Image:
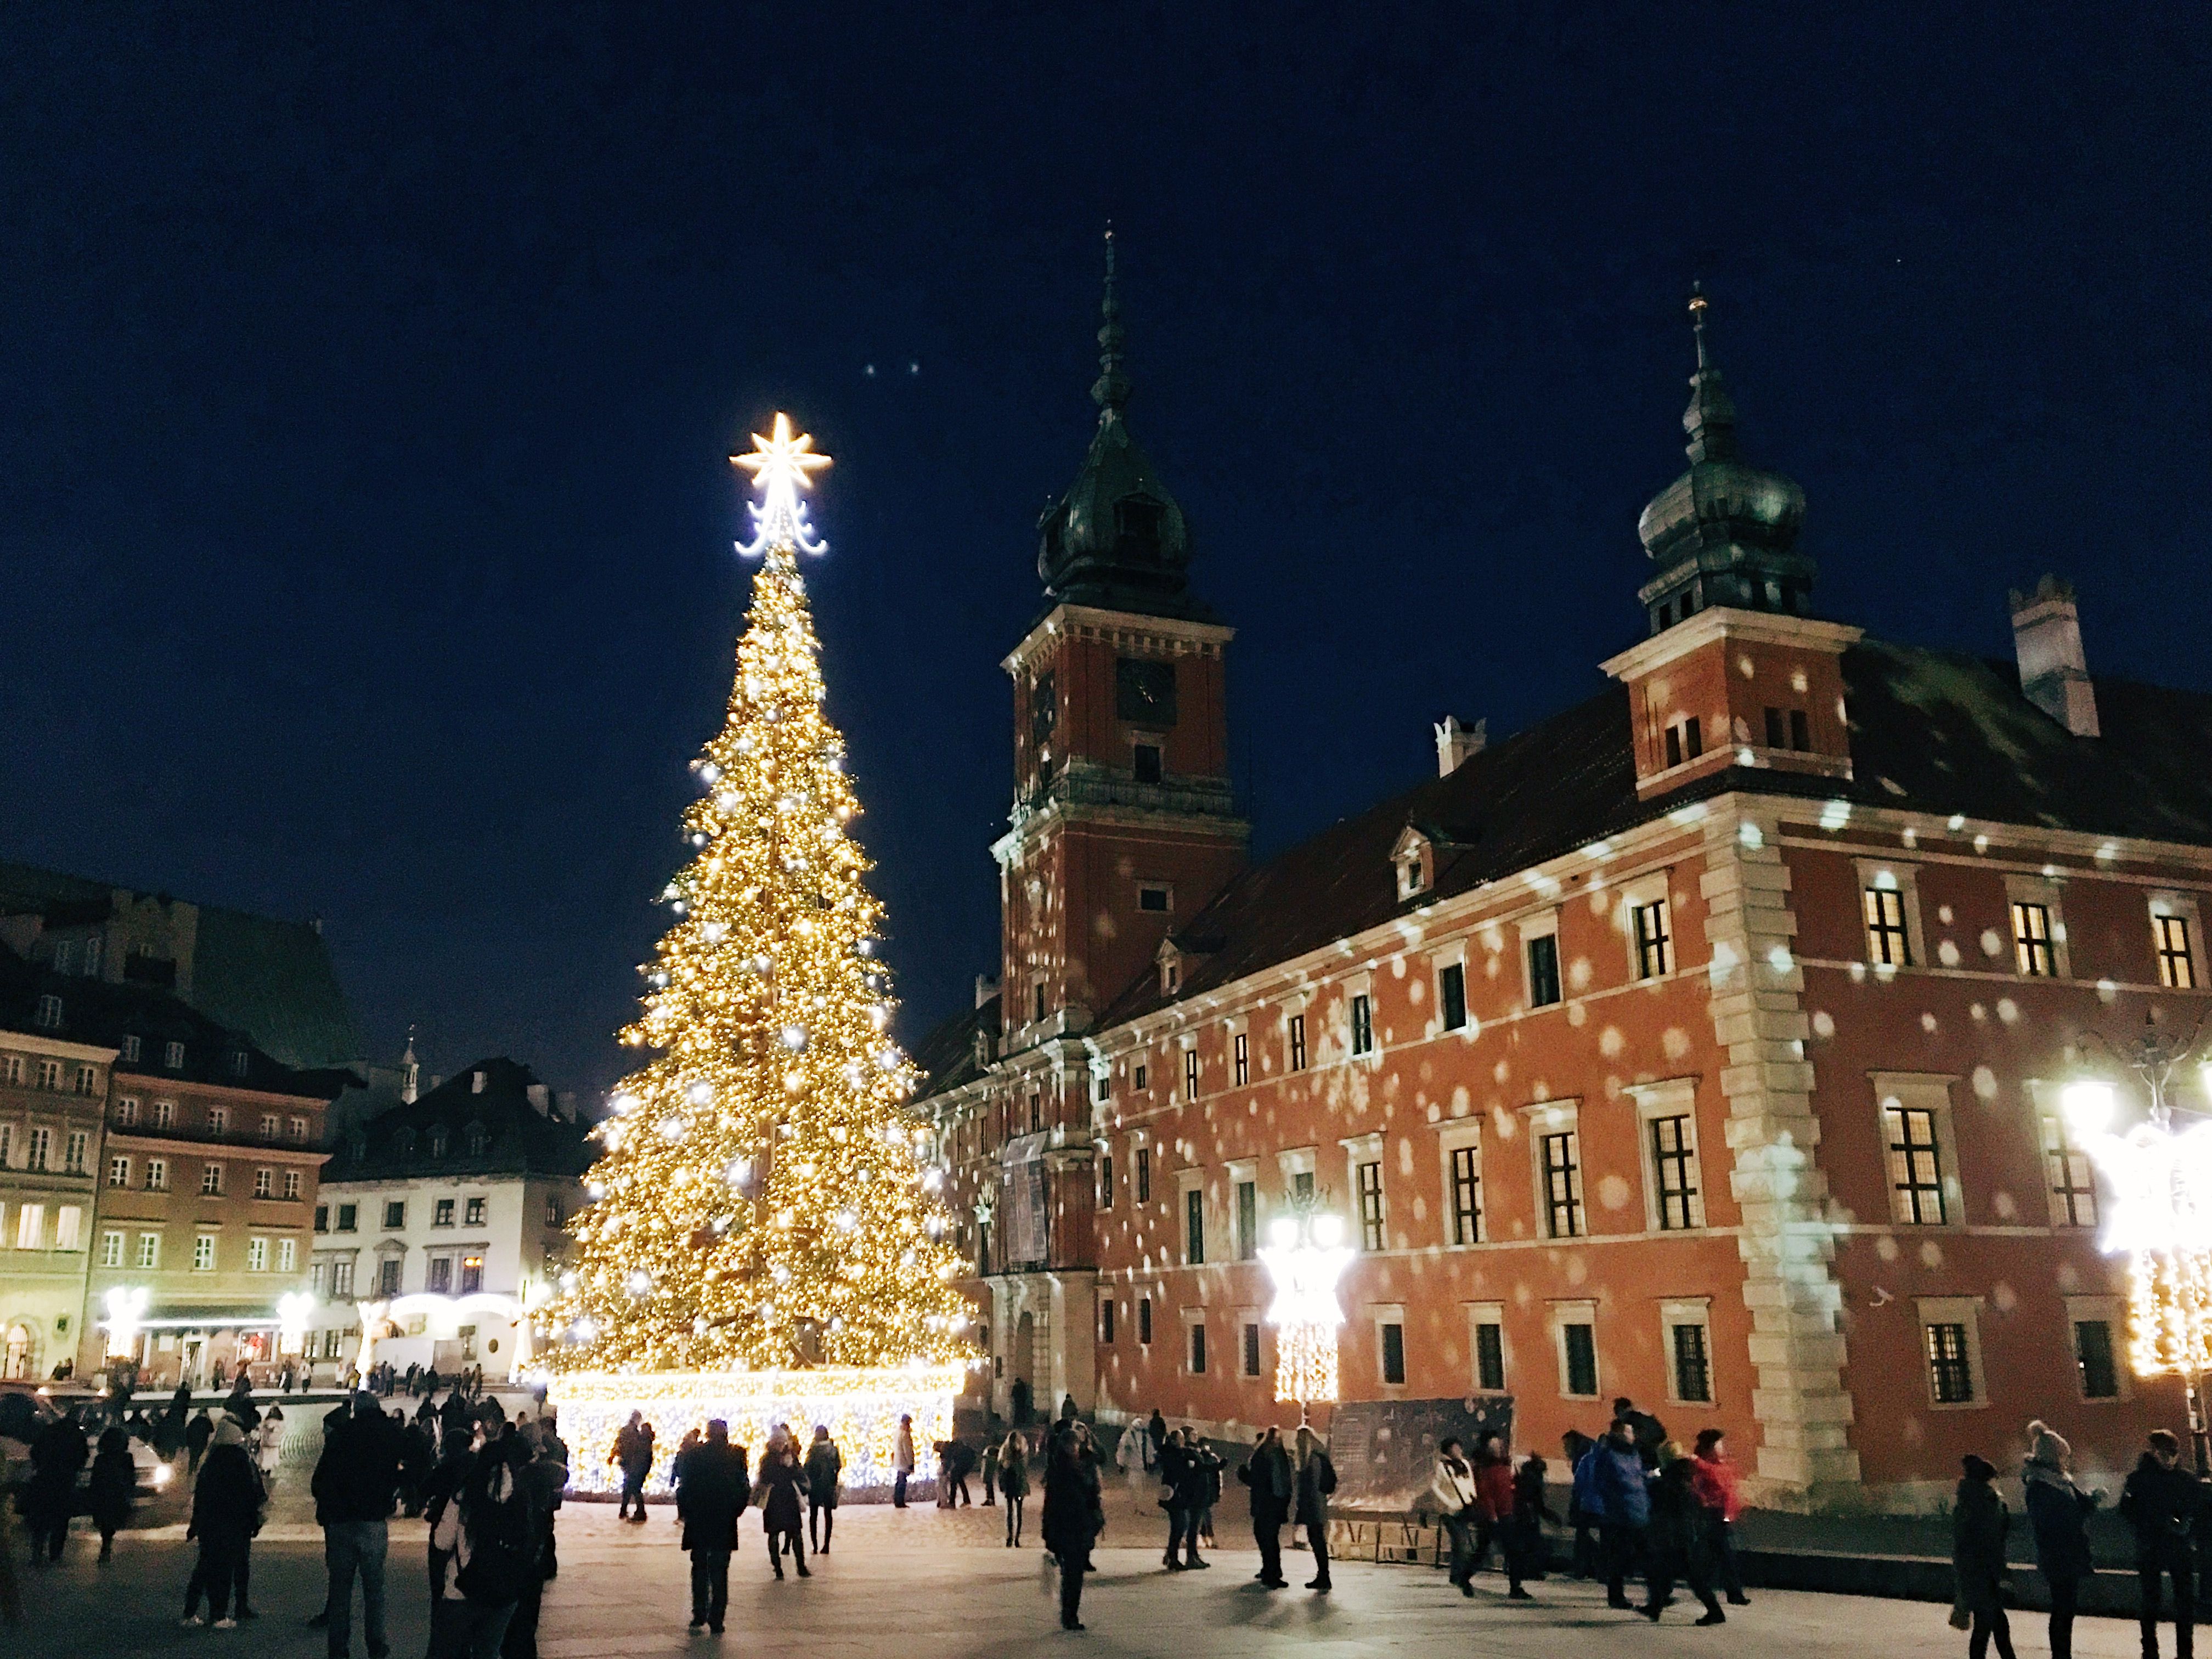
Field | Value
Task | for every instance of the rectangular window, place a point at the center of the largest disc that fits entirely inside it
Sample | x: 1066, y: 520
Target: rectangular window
x: 69, y: 1227
x: 2073, y: 1191
x: 1693, y: 1365
x: 41, y: 1146
x: 2177, y: 963
x: 472, y: 1274
x: 1251, y: 1355
x: 218, y: 1120
x: 1146, y: 762
x: 288, y: 1255
x: 1916, y: 1165
x: 348, y: 1217
x: 1777, y: 736
x: 1887, y: 944
x: 1673, y: 746
x: 1950, y: 1371
x: 50, y: 1075
x: 74, y: 1150
x: 473, y: 1212
x: 1801, y: 731
x: 322, y: 1218
x: 50, y: 1013
x: 1106, y: 1320
x: 1145, y: 1320
x: 1037, y: 1115
x: 211, y: 1181
x: 1363, y: 1025
x: 1248, y: 1219
x: 1302, y: 1186
x: 1490, y: 1359
x: 1105, y: 1180
x: 126, y: 1113
x: 87, y: 1079
x: 1190, y: 1075
x: 387, y: 1278
x: 1143, y: 1175
x: 2031, y: 939
x: 341, y: 1277
x: 2093, y: 1357
x: 395, y: 1216
x: 1197, y: 1350
x: 1297, y: 1043
x: 111, y: 1250
x: 1563, y: 1184
x: 555, y: 1220
x: 130, y: 1049
x: 440, y: 1280
x: 150, y: 1250
x: 257, y: 1255
x: 269, y: 1124
x: 157, y: 1175
x: 293, y: 1185
x: 441, y: 1214
x: 1451, y: 995
x: 1153, y: 898
x: 30, y: 1226
x: 204, y: 1254
x: 165, y: 1114
x: 1369, y: 1179
x: 264, y: 1183
x: 1578, y: 1345
x: 1674, y: 1167
x: 297, y: 1127
x: 1466, y: 1195
x: 1654, y: 945
x: 1040, y: 998
x: 1241, y: 1054
x: 1394, y: 1355
x: 1138, y: 1080
x: 1193, y: 1228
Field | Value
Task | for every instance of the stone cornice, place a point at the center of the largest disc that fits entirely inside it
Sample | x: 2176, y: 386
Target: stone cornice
x: 1084, y: 621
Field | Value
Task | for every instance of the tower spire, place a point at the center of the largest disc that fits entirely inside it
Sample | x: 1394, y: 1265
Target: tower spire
x: 1710, y: 418
x: 1110, y: 391
x: 410, y: 1070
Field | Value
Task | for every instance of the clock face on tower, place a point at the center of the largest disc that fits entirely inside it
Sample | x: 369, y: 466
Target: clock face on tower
x: 1144, y: 692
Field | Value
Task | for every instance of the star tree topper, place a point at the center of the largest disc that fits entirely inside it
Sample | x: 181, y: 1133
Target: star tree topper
x: 781, y: 464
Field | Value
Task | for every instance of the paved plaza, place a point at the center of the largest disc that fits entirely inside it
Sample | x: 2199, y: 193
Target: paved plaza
x: 926, y: 1582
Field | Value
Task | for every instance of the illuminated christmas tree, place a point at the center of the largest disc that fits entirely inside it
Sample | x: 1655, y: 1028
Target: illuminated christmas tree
x: 761, y: 1205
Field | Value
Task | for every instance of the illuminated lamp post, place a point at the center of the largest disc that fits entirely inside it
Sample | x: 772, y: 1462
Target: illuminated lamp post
x: 2160, y: 1218
x: 126, y: 1306
x: 295, y: 1309
x: 1306, y: 1254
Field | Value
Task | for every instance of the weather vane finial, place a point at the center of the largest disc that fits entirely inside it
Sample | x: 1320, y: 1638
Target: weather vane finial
x: 1111, y: 390
x: 1697, y: 305
x: 781, y: 464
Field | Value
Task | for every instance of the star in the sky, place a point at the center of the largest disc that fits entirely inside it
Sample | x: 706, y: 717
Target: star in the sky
x: 783, y: 457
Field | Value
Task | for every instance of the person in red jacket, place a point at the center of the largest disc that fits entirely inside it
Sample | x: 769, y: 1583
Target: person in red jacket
x: 1712, y: 1479
x: 1493, y: 1497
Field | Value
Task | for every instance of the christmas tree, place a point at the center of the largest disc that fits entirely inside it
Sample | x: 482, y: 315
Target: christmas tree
x: 760, y: 1203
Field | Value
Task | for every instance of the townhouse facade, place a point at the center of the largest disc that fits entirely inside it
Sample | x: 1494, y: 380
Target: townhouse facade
x: 53, y: 1094
x: 1701, y: 1044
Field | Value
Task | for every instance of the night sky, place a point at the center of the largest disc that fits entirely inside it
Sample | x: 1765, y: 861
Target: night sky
x: 367, y: 376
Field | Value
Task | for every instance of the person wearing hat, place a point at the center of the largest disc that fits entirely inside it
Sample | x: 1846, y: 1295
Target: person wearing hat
x: 1979, y: 1522
x: 2058, y: 1511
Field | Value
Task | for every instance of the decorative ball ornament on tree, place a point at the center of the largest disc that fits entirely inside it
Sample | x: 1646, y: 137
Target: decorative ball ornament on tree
x: 762, y: 1195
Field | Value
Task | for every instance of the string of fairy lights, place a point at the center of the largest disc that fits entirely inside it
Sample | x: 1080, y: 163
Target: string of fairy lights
x: 761, y: 1200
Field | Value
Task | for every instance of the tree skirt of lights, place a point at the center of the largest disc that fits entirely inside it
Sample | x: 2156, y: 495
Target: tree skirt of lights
x: 860, y: 1408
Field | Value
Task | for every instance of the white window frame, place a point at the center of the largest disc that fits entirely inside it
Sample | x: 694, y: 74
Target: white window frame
x: 1294, y: 1161
x: 1544, y: 924
x: 30, y: 1226
x: 1455, y: 1135
x: 2113, y: 1310
x: 1186, y: 1182
x: 204, y: 1253
x: 1358, y: 1149
x: 111, y: 1248
x: 1636, y: 896
x: 157, y: 1175
x: 1242, y: 1170
x: 1479, y: 1313
x: 1669, y: 1097
x: 69, y: 1227
x: 1565, y: 1314
x: 288, y: 1256
x: 1903, y: 879
x: 1380, y: 1314
x: 1237, y: 1047
x: 1688, y: 1310
x: 1360, y: 985
x: 1929, y: 1091
x: 1449, y: 956
x: 257, y: 1255
x: 1195, y: 1319
x: 2182, y: 908
x: 1965, y: 1310
x: 150, y: 1252
x: 2037, y: 889
x: 1551, y: 1117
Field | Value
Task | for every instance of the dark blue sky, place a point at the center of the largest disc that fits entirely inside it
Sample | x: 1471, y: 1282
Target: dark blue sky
x: 367, y: 376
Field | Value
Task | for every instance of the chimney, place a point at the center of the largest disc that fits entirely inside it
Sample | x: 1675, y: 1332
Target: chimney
x: 2046, y: 636
x: 476, y: 1083
x: 541, y: 1098
x: 986, y: 988
x: 1458, y: 744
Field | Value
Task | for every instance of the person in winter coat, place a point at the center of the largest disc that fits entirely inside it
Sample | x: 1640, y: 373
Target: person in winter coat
x: 1072, y: 1516
x: 1268, y: 1473
x: 543, y: 1479
x: 1646, y: 1430
x: 169, y: 1434
x: 1493, y: 1488
x: 267, y: 1444
x: 901, y: 1461
x: 1183, y: 1483
x: 1979, y: 1522
x: 58, y: 1454
x: 1611, y: 1488
x: 633, y: 1451
x: 1209, y: 1465
x: 1674, y: 1542
x: 2163, y: 1503
x: 1155, y: 1432
x: 1452, y: 1489
x: 226, y: 1514
x: 1574, y: 1447
x: 354, y: 1484
x: 114, y: 1485
x: 418, y: 1455
x: 716, y: 1487
x: 198, y: 1433
x: 959, y: 1464
x: 1316, y: 1480
x: 1133, y: 1454
x: 1714, y: 1481
x: 825, y: 1468
x: 990, y: 1472
x: 1013, y: 1462
x: 780, y: 1481
x: 2058, y: 1511
x: 491, y: 1535
x: 1524, y: 1543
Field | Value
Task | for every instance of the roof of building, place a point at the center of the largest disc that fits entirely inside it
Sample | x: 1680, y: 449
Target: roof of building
x: 1932, y: 731
x: 97, y: 1012
x: 946, y: 1057
x: 261, y: 975
x: 523, y: 1130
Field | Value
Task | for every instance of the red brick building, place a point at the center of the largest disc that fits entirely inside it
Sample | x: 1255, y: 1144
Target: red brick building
x: 1699, y: 1044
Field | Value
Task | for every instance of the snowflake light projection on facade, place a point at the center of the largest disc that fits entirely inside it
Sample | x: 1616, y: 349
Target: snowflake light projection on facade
x: 1306, y: 1255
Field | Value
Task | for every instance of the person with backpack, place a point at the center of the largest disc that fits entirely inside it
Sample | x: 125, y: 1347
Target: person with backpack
x: 717, y: 1486
x: 490, y: 1536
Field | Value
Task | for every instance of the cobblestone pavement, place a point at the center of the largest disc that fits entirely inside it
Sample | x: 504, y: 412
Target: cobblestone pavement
x: 925, y: 1583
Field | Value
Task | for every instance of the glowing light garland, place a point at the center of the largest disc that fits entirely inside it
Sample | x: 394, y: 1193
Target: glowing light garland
x: 760, y: 1206
x: 2160, y: 1219
x: 1306, y: 1255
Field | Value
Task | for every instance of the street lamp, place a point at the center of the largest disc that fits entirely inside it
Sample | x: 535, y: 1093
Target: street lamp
x: 1306, y: 1254
x: 295, y: 1309
x: 126, y: 1306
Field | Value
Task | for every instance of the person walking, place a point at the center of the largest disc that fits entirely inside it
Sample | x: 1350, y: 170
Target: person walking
x: 633, y: 1451
x: 1575, y: 1447
x: 354, y: 1485
x: 198, y: 1433
x: 1979, y: 1522
x: 959, y: 1464
x: 1714, y: 1481
x: 226, y: 1514
x: 2162, y: 1503
x: 1072, y: 1516
x: 1452, y: 1488
x: 1525, y: 1554
x: 990, y: 1472
x: 716, y: 1487
x: 1014, y: 1483
x: 1183, y: 1489
x: 114, y: 1483
x: 1132, y: 1452
x: 825, y: 1469
x: 490, y: 1535
x: 58, y: 1454
x: 1617, y: 1496
x: 779, y: 1481
x: 1272, y: 1483
x: 1493, y: 1499
x: 1155, y: 1432
x: 2058, y: 1512
x: 1317, y: 1480
x: 901, y: 1461
x: 1676, y: 1546
x: 170, y: 1431
x: 1208, y: 1464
